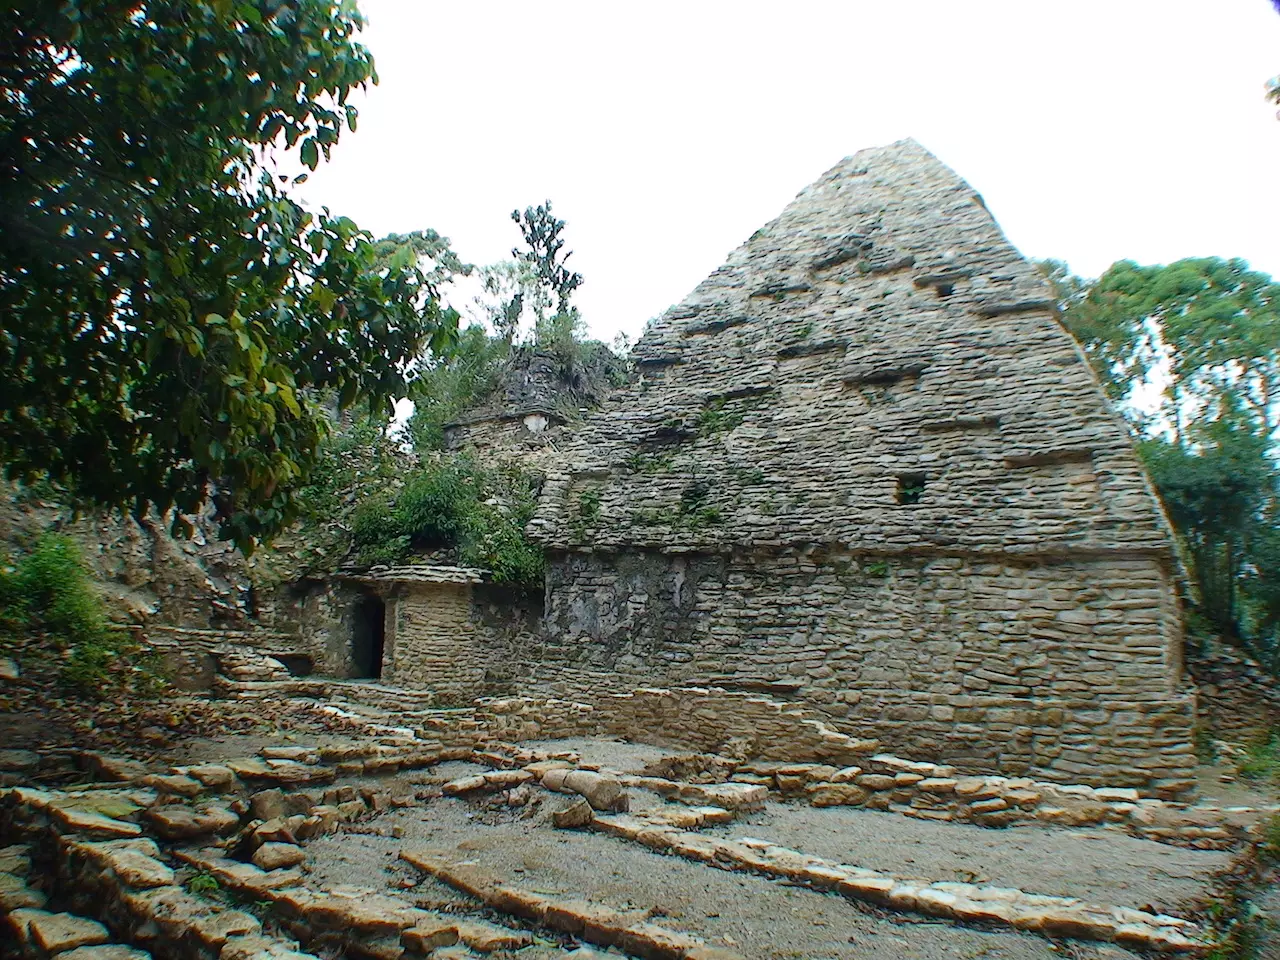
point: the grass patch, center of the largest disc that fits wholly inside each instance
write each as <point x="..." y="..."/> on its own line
<point x="1262" y="759"/>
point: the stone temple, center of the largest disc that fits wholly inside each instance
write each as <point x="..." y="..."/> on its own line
<point x="866" y="468"/>
<point x="863" y="475"/>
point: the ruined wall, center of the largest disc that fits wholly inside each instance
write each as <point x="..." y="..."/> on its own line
<point x="144" y="573"/>
<point x="455" y="639"/>
<point x="1237" y="698"/>
<point x="1061" y="671"/>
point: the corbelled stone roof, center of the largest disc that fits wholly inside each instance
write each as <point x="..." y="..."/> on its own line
<point x="877" y="369"/>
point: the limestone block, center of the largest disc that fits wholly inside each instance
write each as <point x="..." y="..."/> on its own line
<point x="425" y="935"/>
<point x="171" y="783"/>
<point x="109" y="951"/>
<point x="137" y="870"/>
<point x="213" y="776"/>
<point x="15" y="859"/>
<point x="16" y="895"/>
<point x="730" y="796"/>
<point x="578" y="916"/>
<point x="18" y="761"/>
<point x="56" y="932"/>
<point x="540" y="768"/>
<point x="259" y="947"/>
<point x="988" y="806"/>
<point x="113" y="768"/>
<point x="299" y="753"/>
<point x="937" y="785"/>
<point x="577" y="814"/>
<point x="876" y="781"/>
<point x="179" y="822"/>
<point x="837" y="795"/>
<point x="75" y="820"/>
<point x="274" y="856"/>
<point x="646" y="939"/>
<point x="601" y="791"/>
<point x="352" y="810"/>
<point x="488" y="937"/>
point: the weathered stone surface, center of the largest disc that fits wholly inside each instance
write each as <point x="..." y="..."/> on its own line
<point x="180" y="822"/>
<point x="18" y="761"/>
<point x="177" y="784"/>
<point x="488" y="938"/>
<point x="730" y="796"/>
<point x="259" y="947"/>
<point x="273" y="856"/>
<point x="877" y="372"/>
<point x="16" y="895"/>
<point x="425" y="935"/>
<point x="110" y="951"/>
<point x="268" y="804"/>
<point x="138" y="870"/>
<point x="56" y="932"/>
<point x="113" y="768"/>
<point x="214" y="776"/>
<point x="576" y="814"/>
<point x="837" y="794"/>
<point x="75" y="820"/>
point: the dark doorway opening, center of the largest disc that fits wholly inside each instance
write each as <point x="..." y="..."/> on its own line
<point x="368" y="637"/>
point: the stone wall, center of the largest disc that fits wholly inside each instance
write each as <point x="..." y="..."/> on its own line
<point x="864" y="466"/>
<point x="1238" y="699"/>
<point x="1063" y="671"/>
<point x="454" y="639"/>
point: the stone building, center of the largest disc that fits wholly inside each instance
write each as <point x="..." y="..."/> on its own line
<point x="862" y="473"/>
<point x="864" y="467"/>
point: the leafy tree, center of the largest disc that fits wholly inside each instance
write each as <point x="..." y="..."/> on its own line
<point x="448" y="386"/>
<point x="1209" y="328"/>
<point x="541" y="231"/>
<point x="1203" y="337"/>
<point x="167" y="308"/>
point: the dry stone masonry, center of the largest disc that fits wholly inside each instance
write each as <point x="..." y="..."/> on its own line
<point x="865" y="468"/>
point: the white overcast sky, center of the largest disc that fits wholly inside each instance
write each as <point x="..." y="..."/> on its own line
<point x="665" y="133"/>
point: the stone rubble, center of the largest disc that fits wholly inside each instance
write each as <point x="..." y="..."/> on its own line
<point x="1053" y="916"/>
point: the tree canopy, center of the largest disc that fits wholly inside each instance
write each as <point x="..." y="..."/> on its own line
<point x="1191" y="353"/>
<point x="167" y="309"/>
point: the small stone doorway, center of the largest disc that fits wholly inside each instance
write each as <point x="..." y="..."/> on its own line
<point x="368" y="637"/>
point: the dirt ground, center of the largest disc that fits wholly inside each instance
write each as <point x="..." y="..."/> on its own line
<point x="765" y="918"/>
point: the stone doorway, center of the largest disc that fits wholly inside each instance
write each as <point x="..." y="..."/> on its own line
<point x="368" y="637"/>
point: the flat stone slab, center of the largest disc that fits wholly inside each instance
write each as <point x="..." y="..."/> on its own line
<point x="76" y="820"/>
<point x="274" y="856"/>
<point x="180" y="822"/>
<point x="106" y="951"/>
<point x="18" y="761"/>
<point x="56" y="932"/>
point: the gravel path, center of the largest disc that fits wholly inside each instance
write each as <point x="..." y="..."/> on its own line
<point x="759" y="917"/>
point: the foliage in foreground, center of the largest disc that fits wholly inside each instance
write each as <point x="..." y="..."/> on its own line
<point x="167" y="305"/>
<point x="46" y="597"/>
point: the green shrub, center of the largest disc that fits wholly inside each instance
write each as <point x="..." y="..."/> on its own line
<point x="47" y="596"/>
<point x="439" y="506"/>
<point x="456" y="504"/>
